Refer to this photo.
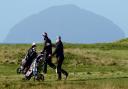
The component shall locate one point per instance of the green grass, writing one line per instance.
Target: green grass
(96, 79)
(90, 66)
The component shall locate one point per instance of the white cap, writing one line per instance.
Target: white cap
(33, 44)
(45, 34)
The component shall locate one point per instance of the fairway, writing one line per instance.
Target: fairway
(81, 80)
(90, 66)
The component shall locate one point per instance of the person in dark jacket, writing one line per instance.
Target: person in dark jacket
(31, 55)
(48, 51)
(59, 52)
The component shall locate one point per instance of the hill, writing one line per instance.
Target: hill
(74, 24)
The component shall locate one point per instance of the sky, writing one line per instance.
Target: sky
(14, 11)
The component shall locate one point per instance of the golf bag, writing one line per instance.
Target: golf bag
(35, 68)
(23, 68)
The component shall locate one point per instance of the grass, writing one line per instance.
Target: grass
(80, 80)
(90, 66)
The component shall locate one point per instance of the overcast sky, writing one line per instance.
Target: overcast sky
(13, 11)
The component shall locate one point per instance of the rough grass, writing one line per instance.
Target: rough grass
(90, 66)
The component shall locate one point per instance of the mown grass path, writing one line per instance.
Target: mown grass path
(78, 80)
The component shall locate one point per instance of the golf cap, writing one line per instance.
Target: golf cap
(44, 34)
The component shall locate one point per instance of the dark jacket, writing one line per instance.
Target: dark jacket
(59, 50)
(31, 55)
(47, 46)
